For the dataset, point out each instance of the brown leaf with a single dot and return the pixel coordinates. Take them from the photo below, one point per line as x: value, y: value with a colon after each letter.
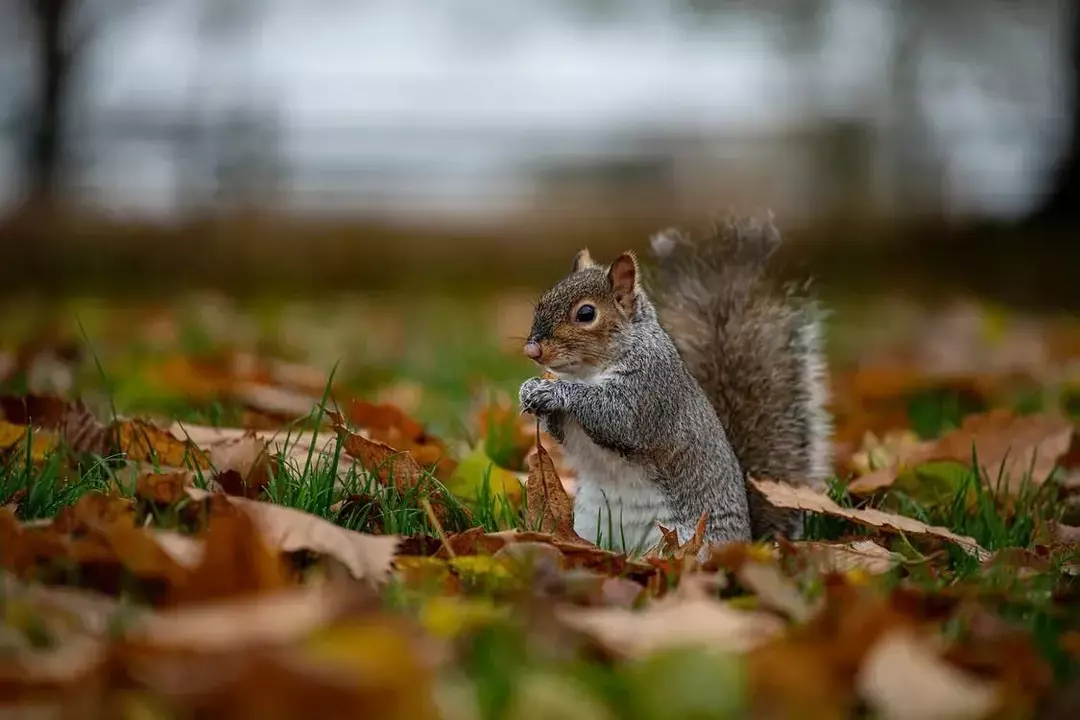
x: 1007, y: 446
x: 775, y: 590
x: 803, y: 498
x: 368, y: 557
x: 143, y: 442
x: 391, y: 466
x: 390, y: 425
x: 809, y: 673
x: 162, y: 488
x: 275, y: 401
x: 904, y: 678
x: 244, y: 466
x: 669, y: 546
x: 865, y: 555
x: 40, y: 411
x: 673, y: 622
x: 237, y: 562
x: 288, y: 614
x: 387, y: 418
x: 549, y: 507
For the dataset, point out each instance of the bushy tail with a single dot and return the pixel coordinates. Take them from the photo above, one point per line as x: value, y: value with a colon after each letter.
x: 755, y: 348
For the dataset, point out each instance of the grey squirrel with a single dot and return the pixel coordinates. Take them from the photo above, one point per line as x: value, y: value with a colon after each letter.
x: 664, y: 399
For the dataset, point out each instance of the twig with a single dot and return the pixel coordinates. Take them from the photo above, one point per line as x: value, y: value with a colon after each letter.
x: 438, y: 527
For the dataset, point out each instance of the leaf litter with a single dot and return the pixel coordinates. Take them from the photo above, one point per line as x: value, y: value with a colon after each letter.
x: 196, y: 596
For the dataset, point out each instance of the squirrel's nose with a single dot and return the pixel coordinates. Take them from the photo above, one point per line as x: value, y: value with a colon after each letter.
x: 532, y: 350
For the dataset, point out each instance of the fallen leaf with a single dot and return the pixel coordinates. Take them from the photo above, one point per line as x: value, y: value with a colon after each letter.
x: 14, y: 438
x: 673, y: 622
x: 387, y: 418
x: 549, y: 507
x: 864, y: 555
x: 904, y: 678
x: 803, y: 498
x: 275, y: 401
x: 368, y: 557
x: 392, y: 467
x: 11, y: 435
x: 467, y: 480
x: 163, y: 489
x: 40, y: 411
x: 244, y: 466
x: 1008, y: 446
x: 143, y: 442
x: 237, y: 562
x: 775, y: 590
x: 282, y: 616
x: 669, y: 546
x: 390, y: 425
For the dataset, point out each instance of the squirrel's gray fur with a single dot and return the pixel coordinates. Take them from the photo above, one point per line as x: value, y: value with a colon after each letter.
x: 668, y: 405
x: 754, y: 346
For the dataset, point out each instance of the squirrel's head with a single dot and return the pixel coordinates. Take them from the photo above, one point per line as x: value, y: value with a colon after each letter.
x: 577, y: 321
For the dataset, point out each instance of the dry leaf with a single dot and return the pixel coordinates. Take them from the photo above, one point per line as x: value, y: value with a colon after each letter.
x: 864, y: 555
x: 669, y: 546
x: 288, y: 530
x: 673, y: 622
x: 392, y: 467
x: 162, y: 488
x: 776, y: 591
x: 244, y: 466
x: 287, y: 615
x: 237, y: 561
x: 143, y: 442
x: 40, y: 411
x: 275, y: 401
x: 903, y: 678
x: 1008, y: 446
x: 803, y: 498
x: 390, y: 425
x: 549, y: 507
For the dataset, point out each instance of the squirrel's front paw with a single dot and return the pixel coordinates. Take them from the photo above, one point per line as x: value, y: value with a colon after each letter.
x: 538, y: 396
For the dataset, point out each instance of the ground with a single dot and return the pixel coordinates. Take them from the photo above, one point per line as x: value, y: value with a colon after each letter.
x: 257, y: 509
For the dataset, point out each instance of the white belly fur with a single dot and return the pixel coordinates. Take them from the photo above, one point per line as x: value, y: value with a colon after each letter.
x: 616, y: 506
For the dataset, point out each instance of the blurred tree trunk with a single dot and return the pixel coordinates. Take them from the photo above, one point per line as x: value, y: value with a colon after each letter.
x: 1061, y: 205
x: 45, y: 152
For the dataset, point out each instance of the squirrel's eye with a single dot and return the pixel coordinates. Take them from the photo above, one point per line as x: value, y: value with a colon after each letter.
x: 586, y: 313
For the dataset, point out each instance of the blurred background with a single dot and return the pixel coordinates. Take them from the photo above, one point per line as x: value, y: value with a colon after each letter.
x: 467, y: 128
x: 917, y: 149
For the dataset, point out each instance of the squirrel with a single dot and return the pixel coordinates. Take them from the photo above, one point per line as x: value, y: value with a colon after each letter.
x: 669, y: 391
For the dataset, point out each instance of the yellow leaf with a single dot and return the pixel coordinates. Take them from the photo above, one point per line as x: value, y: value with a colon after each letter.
x: 11, y: 435
x: 448, y: 617
x: 468, y: 478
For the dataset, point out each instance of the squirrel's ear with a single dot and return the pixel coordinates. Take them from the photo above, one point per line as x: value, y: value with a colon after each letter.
x: 583, y: 260
x: 623, y: 276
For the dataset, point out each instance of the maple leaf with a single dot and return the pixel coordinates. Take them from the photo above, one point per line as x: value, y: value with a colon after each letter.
x: 549, y: 507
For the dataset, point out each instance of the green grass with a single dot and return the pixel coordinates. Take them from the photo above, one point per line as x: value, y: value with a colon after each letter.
x: 500, y: 656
